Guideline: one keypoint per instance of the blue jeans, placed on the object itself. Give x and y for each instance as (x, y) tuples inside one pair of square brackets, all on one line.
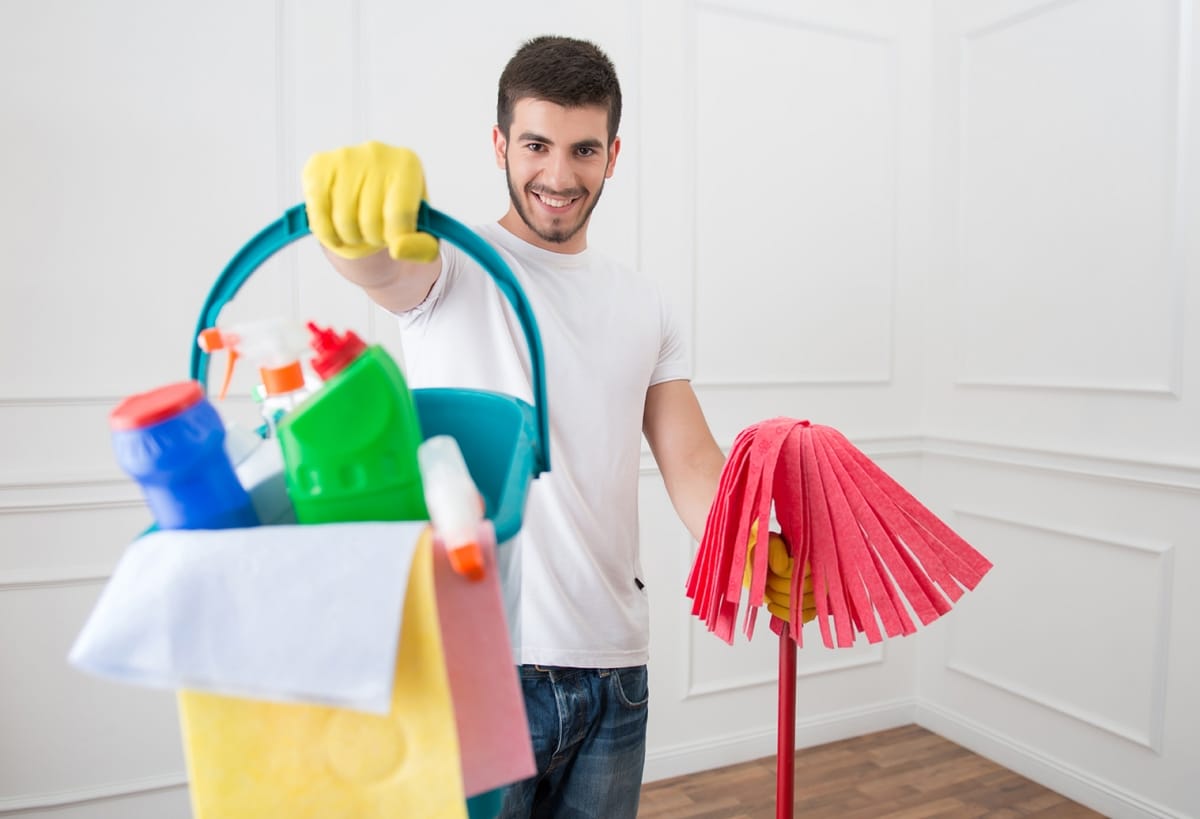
[(588, 727)]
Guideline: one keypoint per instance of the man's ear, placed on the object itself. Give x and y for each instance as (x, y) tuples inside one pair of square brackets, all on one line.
[(500, 144), (613, 150)]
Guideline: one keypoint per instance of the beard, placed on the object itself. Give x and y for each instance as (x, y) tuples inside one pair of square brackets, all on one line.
[(559, 233)]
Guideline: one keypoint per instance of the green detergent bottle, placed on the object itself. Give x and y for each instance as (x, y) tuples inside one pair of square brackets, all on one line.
[(350, 449)]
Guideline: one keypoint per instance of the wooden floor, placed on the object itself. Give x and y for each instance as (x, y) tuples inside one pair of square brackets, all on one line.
[(903, 773)]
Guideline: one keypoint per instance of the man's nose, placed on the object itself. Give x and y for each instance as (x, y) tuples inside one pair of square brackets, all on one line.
[(558, 173)]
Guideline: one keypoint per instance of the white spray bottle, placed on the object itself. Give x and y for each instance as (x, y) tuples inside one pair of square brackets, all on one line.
[(454, 503), (275, 346)]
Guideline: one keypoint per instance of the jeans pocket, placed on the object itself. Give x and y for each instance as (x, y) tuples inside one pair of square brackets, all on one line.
[(631, 686)]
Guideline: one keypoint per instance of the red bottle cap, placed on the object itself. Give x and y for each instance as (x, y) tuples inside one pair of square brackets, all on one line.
[(149, 408), (334, 352)]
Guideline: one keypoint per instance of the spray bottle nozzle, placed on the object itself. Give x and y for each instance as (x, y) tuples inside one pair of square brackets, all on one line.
[(211, 340), (275, 345)]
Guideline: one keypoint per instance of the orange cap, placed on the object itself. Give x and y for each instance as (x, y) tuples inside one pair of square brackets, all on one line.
[(278, 380), (211, 339), (467, 560)]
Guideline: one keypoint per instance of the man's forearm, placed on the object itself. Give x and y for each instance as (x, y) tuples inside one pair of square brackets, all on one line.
[(395, 285), (695, 488)]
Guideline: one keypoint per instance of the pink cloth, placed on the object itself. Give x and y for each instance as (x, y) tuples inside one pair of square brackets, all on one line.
[(870, 544), (489, 710)]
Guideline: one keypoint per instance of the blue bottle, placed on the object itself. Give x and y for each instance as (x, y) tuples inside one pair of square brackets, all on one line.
[(172, 442)]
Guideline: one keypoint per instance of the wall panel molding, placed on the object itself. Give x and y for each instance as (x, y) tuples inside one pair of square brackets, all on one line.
[(96, 793), (747, 11), (1151, 734), (1015, 18), (70, 494), (883, 446), (1167, 376), (839, 661), (41, 578), (1141, 472), (42, 402), (878, 37)]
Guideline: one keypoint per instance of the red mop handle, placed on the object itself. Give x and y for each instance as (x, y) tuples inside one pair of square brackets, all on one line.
[(785, 750)]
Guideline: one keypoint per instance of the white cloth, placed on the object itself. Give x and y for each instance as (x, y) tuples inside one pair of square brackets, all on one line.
[(572, 575), (285, 613)]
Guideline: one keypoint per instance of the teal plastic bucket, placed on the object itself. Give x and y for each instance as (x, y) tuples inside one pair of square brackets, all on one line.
[(505, 441)]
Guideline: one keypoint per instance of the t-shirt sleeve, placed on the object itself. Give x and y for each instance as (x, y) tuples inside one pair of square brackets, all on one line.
[(673, 360)]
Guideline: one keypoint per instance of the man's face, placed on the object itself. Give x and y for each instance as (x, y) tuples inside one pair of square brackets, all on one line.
[(556, 160)]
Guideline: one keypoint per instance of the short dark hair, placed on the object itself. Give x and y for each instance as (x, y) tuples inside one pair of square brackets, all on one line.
[(563, 70)]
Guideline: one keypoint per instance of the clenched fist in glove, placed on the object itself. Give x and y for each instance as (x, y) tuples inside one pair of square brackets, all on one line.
[(778, 593), (364, 198)]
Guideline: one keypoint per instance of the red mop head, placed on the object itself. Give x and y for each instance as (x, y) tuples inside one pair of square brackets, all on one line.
[(870, 545)]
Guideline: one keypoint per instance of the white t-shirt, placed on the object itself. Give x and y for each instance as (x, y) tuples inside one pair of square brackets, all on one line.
[(572, 576)]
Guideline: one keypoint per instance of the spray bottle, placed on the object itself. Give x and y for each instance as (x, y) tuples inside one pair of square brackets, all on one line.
[(455, 505), (350, 450), (275, 347)]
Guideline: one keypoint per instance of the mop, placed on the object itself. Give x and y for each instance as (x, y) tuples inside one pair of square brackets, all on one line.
[(867, 546)]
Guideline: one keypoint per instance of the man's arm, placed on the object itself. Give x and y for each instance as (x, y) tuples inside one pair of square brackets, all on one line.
[(691, 464), (395, 285), (686, 452)]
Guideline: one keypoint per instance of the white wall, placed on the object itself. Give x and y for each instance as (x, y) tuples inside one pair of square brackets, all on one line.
[(962, 233), (1060, 411), (784, 203)]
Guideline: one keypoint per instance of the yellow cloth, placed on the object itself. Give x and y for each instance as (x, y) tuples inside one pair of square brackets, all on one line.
[(364, 198), (250, 759)]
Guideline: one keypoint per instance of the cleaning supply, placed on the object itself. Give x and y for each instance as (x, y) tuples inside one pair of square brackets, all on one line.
[(258, 463), (172, 442), (350, 450), (329, 762), (254, 759), (505, 439), (275, 347), (489, 710), (854, 535), (455, 505), (869, 545)]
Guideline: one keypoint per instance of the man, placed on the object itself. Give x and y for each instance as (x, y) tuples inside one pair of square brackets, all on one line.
[(616, 368)]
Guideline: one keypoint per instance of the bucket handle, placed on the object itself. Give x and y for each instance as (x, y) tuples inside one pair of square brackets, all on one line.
[(293, 225)]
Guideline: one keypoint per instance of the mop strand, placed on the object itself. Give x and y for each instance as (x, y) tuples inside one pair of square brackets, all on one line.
[(870, 546)]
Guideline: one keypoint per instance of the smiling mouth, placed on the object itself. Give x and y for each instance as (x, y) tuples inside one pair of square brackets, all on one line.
[(555, 202)]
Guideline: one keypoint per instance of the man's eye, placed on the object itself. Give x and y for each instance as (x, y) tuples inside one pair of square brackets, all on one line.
[(535, 146), (586, 151)]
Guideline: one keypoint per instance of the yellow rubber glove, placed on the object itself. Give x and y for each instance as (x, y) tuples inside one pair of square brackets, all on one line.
[(778, 594), (364, 198)]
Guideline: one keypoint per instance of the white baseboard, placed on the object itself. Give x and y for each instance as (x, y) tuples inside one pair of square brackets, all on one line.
[(730, 749), (1053, 773)]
